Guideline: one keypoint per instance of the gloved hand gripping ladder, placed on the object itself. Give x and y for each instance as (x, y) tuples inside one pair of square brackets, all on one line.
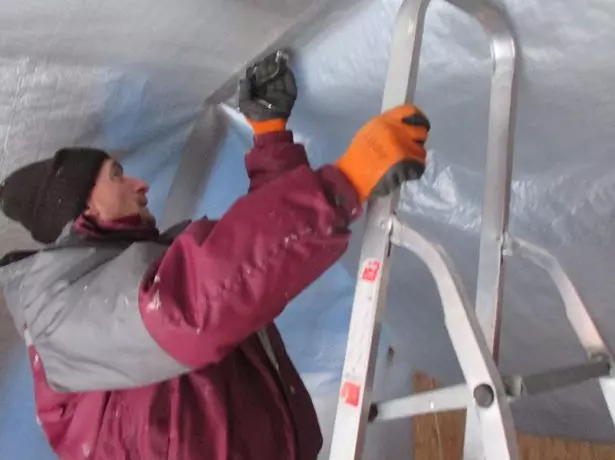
[(490, 432)]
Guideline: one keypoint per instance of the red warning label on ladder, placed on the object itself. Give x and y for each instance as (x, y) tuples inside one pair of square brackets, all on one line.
[(370, 271), (350, 393)]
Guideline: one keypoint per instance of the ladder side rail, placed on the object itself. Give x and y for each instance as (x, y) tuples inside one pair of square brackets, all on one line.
[(498, 166), (496, 196), (370, 294)]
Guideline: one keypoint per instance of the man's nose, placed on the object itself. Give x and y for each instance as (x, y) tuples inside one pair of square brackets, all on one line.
[(139, 185)]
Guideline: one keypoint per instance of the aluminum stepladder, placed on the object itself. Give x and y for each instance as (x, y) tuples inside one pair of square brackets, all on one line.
[(474, 330)]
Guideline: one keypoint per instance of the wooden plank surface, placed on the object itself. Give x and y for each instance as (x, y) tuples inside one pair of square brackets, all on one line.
[(440, 437)]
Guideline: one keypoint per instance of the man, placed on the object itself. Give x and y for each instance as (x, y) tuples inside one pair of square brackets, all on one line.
[(148, 346)]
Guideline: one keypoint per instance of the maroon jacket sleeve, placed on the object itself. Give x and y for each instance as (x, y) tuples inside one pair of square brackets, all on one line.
[(272, 155), (219, 283)]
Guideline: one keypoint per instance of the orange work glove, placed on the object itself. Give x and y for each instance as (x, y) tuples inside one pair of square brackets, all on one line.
[(387, 151)]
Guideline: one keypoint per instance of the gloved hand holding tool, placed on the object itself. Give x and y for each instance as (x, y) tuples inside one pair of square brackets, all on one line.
[(268, 93)]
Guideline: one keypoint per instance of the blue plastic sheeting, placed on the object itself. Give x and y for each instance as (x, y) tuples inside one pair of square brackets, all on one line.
[(563, 181)]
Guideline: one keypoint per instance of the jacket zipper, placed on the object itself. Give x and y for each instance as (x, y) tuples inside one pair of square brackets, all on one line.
[(266, 343), (263, 337)]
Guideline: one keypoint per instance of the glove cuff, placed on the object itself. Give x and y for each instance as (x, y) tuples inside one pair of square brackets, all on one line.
[(355, 173), (268, 126)]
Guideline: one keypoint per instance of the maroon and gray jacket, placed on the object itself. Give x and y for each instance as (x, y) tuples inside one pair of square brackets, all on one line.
[(149, 347)]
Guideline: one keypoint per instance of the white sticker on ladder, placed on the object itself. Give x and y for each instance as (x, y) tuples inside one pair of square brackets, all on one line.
[(360, 334)]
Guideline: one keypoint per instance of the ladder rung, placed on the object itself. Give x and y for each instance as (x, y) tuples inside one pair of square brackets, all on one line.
[(440, 400), (518, 386)]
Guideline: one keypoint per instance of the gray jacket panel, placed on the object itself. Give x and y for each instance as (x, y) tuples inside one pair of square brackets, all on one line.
[(81, 309)]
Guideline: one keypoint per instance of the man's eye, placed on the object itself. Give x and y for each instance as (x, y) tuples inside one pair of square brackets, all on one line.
[(117, 173)]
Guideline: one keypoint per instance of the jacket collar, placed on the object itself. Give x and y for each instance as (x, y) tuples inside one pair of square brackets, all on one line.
[(128, 228), (131, 228)]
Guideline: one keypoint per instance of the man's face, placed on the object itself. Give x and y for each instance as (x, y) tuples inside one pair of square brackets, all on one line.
[(116, 195)]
